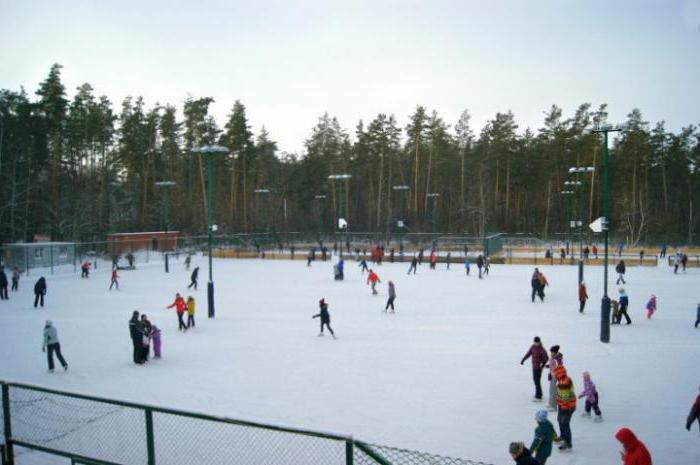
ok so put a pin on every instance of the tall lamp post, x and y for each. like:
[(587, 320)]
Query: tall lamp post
[(166, 186), (569, 212), (210, 151), (401, 223), (605, 302), (342, 223), (321, 227), (264, 194)]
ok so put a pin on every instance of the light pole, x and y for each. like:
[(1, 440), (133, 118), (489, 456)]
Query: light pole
[(210, 151), (266, 224), (433, 196), (166, 186), (342, 223), (580, 171), (605, 302), (321, 229), (401, 223), (569, 211)]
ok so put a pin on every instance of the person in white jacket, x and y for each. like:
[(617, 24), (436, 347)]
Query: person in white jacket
[(51, 342)]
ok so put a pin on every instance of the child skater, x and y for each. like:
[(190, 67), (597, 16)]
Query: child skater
[(155, 336), (651, 306), (190, 311), (325, 317), (591, 394)]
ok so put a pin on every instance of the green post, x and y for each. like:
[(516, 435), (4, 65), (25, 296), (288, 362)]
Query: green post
[(150, 441), (349, 451), (210, 221), (51, 257), (9, 453)]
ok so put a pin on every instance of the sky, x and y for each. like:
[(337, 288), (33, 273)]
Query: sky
[(291, 61)]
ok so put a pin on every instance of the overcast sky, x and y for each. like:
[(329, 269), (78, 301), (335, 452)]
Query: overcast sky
[(291, 61)]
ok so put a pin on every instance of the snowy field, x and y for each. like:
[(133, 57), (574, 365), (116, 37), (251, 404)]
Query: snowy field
[(441, 375)]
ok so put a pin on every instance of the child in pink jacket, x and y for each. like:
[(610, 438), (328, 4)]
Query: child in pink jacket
[(651, 306), (591, 394)]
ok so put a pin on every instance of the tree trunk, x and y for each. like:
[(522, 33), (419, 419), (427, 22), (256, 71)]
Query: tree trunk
[(549, 203), (415, 177), (379, 190)]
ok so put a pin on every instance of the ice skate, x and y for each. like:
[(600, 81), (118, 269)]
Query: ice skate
[(537, 399), (586, 415), (598, 419), (565, 447)]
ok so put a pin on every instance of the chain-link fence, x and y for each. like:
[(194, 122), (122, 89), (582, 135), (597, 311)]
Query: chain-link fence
[(87, 429)]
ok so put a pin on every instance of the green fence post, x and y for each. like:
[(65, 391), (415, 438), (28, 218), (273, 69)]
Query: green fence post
[(150, 442), (26, 260), (51, 257), (349, 448), (9, 453)]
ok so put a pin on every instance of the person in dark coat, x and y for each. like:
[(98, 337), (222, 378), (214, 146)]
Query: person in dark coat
[(39, 291), (535, 284), (620, 269), (539, 360), (51, 343), (15, 279), (3, 284), (521, 454), (193, 278), (694, 414), (480, 264), (136, 332), (325, 317), (392, 297), (414, 265)]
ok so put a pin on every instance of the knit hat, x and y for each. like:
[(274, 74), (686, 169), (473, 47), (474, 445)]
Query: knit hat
[(48, 323), (537, 339), (541, 416), (322, 301), (622, 291), (560, 372), (586, 375), (554, 349), (516, 448)]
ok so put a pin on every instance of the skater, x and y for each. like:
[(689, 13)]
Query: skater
[(591, 394), (51, 342), (15, 279), (487, 265), (372, 280), (339, 270), (676, 262), (363, 266), (641, 257), (544, 435), (155, 336), (325, 317), (414, 265), (586, 253), (684, 261), (582, 296), (556, 359), (392, 297), (309, 258), (39, 291), (620, 270), (130, 259), (180, 307), (539, 361), (3, 285), (392, 251), (566, 399), (85, 269), (467, 264), (624, 303), (190, 311), (635, 452), (188, 260), (651, 306), (420, 256), (136, 333), (433, 259), (697, 317), (535, 284), (447, 259), (521, 454), (562, 255), (594, 249), (694, 414), (543, 283), (115, 280), (146, 339), (662, 251), (480, 264), (193, 278)]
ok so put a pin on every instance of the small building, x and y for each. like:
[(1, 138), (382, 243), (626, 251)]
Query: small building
[(123, 243), (29, 255)]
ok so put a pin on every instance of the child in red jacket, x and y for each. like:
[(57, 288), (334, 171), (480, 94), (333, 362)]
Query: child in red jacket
[(635, 452)]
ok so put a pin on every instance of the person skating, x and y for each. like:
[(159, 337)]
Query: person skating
[(392, 297), (372, 280), (39, 291), (193, 278), (190, 311), (115, 280), (620, 269), (676, 263), (616, 317), (3, 284), (363, 266), (15, 279), (694, 414), (136, 334), (146, 339), (157, 341), (467, 265), (684, 261), (544, 436), (591, 394), (624, 303), (543, 283), (325, 317), (651, 306), (582, 296), (539, 361), (414, 265), (521, 455), (487, 265), (85, 269), (309, 258), (188, 261), (433, 259), (447, 259), (697, 317), (339, 270), (480, 264), (51, 343), (641, 257), (566, 402), (420, 256), (595, 251), (535, 284), (635, 452), (556, 359), (180, 307), (662, 251)]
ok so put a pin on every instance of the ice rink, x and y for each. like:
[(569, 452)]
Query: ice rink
[(442, 374)]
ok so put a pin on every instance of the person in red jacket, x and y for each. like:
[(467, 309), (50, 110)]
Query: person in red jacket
[(115, 280), (694, 414), (180, 307), (635, 452), (373, 279), (539, 360), (582, 296)]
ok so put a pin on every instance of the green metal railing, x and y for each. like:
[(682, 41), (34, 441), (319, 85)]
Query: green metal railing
[(98, 431)]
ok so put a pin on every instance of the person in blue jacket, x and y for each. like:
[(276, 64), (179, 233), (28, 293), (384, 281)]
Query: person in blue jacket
[(624, 303), (541, 446)]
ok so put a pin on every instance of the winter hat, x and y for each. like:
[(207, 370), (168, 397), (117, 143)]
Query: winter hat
[(586, 375), (322, 301), (49, 323), (516, 448), (537, 339), (560, 372), (541, 416), (554, 349), (622, 291)]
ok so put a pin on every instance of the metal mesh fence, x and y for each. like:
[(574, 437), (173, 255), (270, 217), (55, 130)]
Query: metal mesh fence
[(385, 455)]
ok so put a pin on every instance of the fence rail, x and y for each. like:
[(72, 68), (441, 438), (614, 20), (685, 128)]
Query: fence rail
[(99, 431)]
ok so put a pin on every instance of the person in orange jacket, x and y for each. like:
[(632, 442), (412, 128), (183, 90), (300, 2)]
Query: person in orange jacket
[(180, 307), (635, 453), (566, 401), (582, 296), (373, 279), (115, 280)]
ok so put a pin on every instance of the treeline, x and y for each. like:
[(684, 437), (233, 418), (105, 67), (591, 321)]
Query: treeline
[(78, 169)]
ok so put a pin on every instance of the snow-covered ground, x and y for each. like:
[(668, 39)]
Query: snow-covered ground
[(441, 375)]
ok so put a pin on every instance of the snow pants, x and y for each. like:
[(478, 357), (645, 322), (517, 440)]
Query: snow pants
[(193, 283), (623, 312), (564, 420), (327, 325), (537, 377), (156, 347), (15, 284), (190, 320), (3, 293), (55, 347), (413, 267), (38, 298), (620, 277), (390, 303), (114, 281), (181, 323), (582, 305), (593, 405)]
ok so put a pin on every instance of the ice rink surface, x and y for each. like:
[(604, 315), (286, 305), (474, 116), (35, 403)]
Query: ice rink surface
[(441, 375)]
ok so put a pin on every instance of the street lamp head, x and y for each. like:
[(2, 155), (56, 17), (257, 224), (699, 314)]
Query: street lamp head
[(589, 169), (210, 149), (320, 196), (433, 194), (166, 184), (262, 191), (340, 176), (400, 188)]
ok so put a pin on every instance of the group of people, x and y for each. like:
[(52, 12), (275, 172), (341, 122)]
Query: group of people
[(538, 282), (143, 334), (181, 306), (4, 283)]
